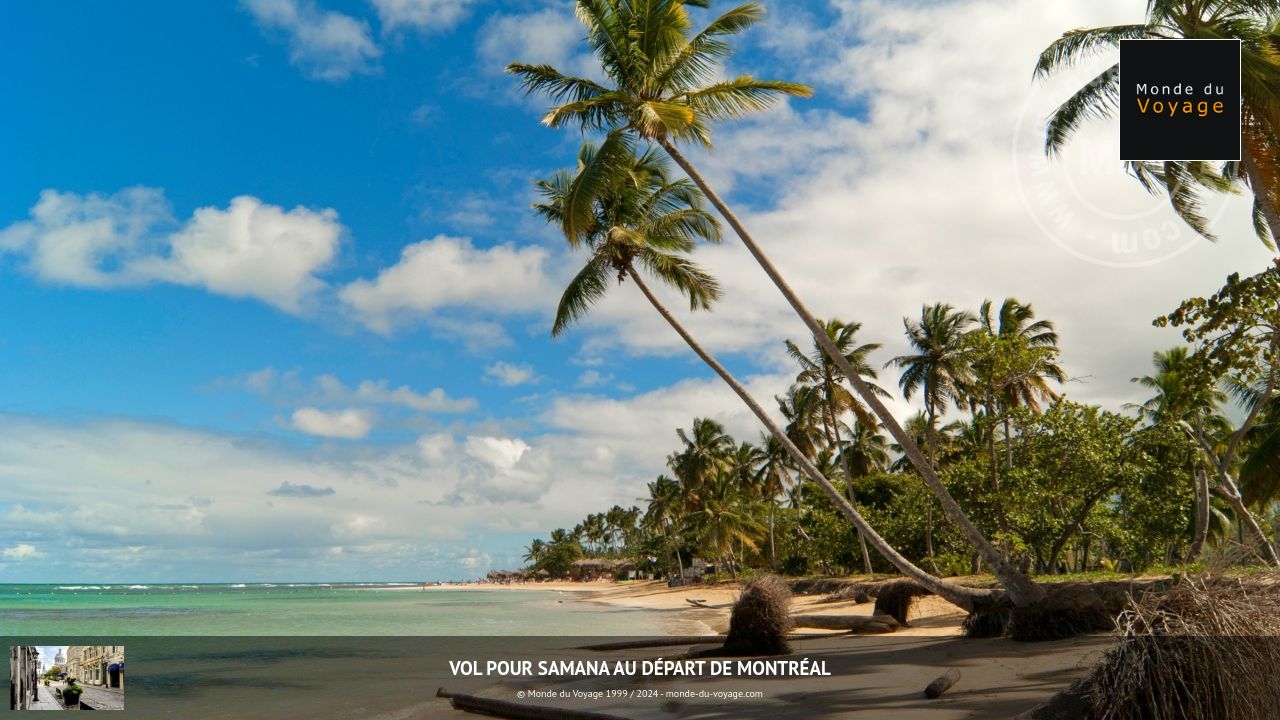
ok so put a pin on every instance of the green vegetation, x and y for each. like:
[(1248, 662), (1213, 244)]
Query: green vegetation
[(1028, 480), (1063, 488)]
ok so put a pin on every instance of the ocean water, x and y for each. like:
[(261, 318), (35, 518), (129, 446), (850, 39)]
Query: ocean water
[(282, 609)]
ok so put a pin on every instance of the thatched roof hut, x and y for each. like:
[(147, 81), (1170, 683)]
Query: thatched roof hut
[(599, 566)]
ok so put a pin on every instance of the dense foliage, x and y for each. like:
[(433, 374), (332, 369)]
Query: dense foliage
[(1061, 487)]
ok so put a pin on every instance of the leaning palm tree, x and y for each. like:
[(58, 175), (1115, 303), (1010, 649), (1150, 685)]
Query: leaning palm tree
[(644, 222), (937, 366), (1245, 20), (663, 87)]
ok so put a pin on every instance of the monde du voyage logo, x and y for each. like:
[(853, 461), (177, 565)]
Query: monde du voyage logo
[(1180, 100)]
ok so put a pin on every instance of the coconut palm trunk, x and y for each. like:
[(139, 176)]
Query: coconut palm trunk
[(1022, 591), (960, 595), (1260, 191), (1228, 490)]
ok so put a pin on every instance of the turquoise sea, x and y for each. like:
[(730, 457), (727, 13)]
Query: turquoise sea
[(347, 609)]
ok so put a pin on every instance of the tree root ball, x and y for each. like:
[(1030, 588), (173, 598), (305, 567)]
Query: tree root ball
[(988, 618), (1067, 611), (761, 619), (895, 599)]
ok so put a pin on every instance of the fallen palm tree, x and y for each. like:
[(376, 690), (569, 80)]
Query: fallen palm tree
[(761, 618), (855, 624), (1203, 649), (1195, 649)]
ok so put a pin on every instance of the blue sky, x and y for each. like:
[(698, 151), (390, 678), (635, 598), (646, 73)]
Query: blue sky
[(275, 306)]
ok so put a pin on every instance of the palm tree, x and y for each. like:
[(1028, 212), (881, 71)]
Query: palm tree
[(1016, 322), (535, 552), (1245, 20), (1177, 399), (937, 368), (819, 372), (662, 86), (772, 477), (666, 513), (727, 518), (633, 225), (707, 451)]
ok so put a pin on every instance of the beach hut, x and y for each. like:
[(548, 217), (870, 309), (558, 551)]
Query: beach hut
[(594, 569)]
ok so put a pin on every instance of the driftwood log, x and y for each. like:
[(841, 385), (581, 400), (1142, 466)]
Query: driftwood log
[(852, 623), (942, 684), (518, 711)]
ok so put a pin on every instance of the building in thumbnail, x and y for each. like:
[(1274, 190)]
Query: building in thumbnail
[(96, 665), (24, 664)]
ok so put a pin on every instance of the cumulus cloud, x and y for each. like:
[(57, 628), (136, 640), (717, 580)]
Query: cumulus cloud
[(920, 178), (509, 374), (248, 250), (408, 510), (550, 36), (448, 272), (349, 424), (425, 15), (22, 551), (325, 44)]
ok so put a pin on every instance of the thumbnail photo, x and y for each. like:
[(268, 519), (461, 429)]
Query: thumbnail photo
[(66, 677)]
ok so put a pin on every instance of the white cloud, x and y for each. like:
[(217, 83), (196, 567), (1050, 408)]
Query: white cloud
[(22, 551), (252, 250), (551, 36), (423, 15), (291, 388), (920, 201), (450, 272), (593, 378), (505, 373), (265, 510), (248, 250), (350, 424), (501, 453), (325, 44), (434, 400), (70, 237)]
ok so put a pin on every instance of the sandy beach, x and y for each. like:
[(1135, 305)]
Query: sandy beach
[(871, 676)]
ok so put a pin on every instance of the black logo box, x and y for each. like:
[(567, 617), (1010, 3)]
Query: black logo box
[(1189, 65)]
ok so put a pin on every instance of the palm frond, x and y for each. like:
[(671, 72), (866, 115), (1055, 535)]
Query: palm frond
[(593, 113), (741, 96), (547, 80), (1083, 42), (1183, 189), (695, 63), (598, 172), (1098, 99), (683, 274), (588, 286)]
